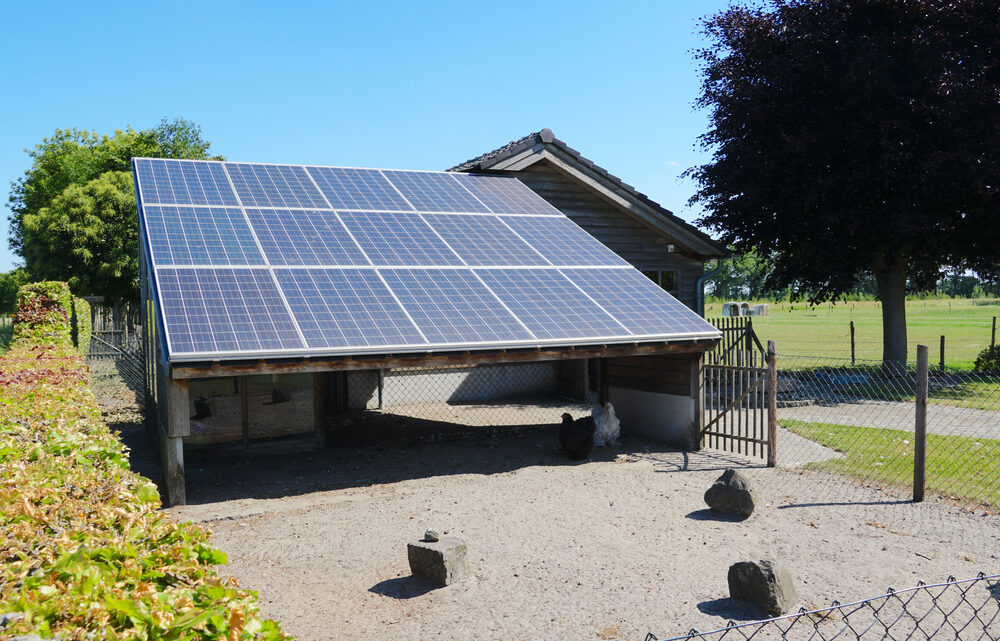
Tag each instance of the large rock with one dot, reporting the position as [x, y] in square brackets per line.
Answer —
[731, 494]
[443, 562]
[765, 583]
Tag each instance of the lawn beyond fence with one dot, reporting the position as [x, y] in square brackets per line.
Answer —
[864, 416]
[825, 330]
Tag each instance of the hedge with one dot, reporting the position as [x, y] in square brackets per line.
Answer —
[86, 552]
[81, 325]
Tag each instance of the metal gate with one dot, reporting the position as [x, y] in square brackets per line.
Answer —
[740, 408]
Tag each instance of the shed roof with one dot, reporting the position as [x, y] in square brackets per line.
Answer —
[543, 144]
[259, 261]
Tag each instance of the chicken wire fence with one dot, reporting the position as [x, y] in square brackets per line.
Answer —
[116, 369]
[857, 423]
[964, 610]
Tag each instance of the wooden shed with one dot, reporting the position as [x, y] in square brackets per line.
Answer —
[652, 239]
[278, 298]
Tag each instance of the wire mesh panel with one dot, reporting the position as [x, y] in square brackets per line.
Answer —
[966, 610]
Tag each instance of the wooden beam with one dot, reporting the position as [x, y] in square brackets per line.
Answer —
[698, 397]
[178, 408]
[349, 363]
[172, 468]
[319, 407]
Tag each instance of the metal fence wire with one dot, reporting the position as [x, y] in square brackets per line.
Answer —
[857, 422]
[965, 610]
[116, 369]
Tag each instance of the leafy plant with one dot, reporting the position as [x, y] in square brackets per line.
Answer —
[988, 360]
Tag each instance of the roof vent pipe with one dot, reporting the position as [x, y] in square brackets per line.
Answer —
[700, 287]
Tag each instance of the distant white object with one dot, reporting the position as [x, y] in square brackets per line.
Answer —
[761, 309]
[607, 425]
[732, 308]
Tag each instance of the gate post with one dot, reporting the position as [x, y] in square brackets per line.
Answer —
[772, 405]
[920, 424]
[698, 398]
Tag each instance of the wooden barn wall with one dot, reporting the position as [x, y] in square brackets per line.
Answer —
[659, 374]
[644, 247]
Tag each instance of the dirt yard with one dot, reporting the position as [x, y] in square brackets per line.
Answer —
[611, 548]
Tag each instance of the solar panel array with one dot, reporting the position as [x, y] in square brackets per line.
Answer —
[258, 260]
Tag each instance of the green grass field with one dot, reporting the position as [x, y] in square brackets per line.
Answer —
[957, 466]
[824, 331]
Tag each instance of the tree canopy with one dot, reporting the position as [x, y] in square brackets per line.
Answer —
[855, 136]
[74, 212]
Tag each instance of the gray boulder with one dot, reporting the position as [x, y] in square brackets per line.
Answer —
[731, 494]
[765, 583]
[444, 561]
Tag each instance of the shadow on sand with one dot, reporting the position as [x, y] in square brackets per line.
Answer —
[404, 587]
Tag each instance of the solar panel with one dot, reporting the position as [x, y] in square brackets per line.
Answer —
[223, 310]
[562, 241]
[285, 260]
[348, 188]
[398, 239]
[430, 191]
[506, 195]
[200, 236]
[550, 305]
[637, 302]
[183, 182]
[345, 308]
[275, 186]
[453, 306]
[304, 237]
[483, 240]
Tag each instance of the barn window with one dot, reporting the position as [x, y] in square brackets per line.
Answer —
[665, 279]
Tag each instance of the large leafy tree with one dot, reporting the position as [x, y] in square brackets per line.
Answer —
[73, 213]
[853, 136]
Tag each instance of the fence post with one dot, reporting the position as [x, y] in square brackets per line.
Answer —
[942, 353]
[772, 405]
[852, 343]
[920, 424]
[993, 338]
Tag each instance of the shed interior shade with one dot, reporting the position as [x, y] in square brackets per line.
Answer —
[259, 261]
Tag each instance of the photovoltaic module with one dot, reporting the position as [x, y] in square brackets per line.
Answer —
[270, 261]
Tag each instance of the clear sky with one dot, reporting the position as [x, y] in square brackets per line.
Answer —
[413, 85]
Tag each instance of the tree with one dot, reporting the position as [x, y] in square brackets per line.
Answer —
[73, 212]
[742, 277]
[10, 282]
[855, 135]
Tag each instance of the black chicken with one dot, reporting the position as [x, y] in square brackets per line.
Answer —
[577, 437]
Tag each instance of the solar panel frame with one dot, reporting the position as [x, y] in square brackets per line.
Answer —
[183, 182]
[184, 235]
[275, 186]
[434, 191]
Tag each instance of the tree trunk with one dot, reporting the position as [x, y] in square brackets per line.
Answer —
[890, 275]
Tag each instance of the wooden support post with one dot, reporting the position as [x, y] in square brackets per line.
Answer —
[319, 408]
[942, 353]
[172, 440]
[920, 425]
[852, 342]
[602, 381]
[772, 405]
[245, 408]
[993, 337]
[381, 388]
[698, 399]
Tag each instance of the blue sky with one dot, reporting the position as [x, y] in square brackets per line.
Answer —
[415, 85]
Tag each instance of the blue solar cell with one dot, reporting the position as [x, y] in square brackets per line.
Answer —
[309, 237]
[483, 240]
[550, 305]
[346, 308]
[452, 306]
[506, 195]
[200, 236]
[562, 241]
[275, 186]
[398, 239]
[183, 182]
[348, 188]
[434, 191]
[637, 302]
[224, 310]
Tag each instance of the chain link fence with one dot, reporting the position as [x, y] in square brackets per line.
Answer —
[116, 370]
[966, 610]
[857, 422]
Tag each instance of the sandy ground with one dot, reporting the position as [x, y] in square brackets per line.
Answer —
[611, 548]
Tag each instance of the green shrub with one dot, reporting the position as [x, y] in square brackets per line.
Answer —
[988, 360]
[81, 325]
[43, 313]
[86, 552]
